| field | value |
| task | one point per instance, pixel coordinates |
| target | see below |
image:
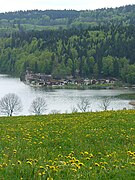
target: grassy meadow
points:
(74, 146)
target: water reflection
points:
(60, 100)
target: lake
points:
(61, 100)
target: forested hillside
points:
(55, 19)
(91, 44)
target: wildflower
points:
(71, 161)
(73, 169)
(41, 167)
(82, 153)
(35, 160)
(14, 151)
(59, 155)
(19, 162)
(91, 155)
(77, 161)
(86, 153)
(129, 152)
(96, 164)
(43, 173)
(132, 163)
(49, 178)
(102, 167)
(5, 155)
(4, 165)
(78, 167)
(29, 162)
(81, 164)
(52, 167)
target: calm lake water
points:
(60, 100)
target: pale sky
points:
(15, 5)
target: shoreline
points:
(83, 87)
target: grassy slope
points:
(68, 146)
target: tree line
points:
(55, 19)
(96, 52)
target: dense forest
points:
(55, 19)
(86, 44)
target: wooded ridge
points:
(93, 44)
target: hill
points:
(68, 146)
(82, 44)
(95, 52)
(55, 19)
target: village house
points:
(41, 79)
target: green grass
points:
(68, 146)
(130, 96)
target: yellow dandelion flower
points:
(49, 178)
(71, 161)
(96, 164)
(82, 153)
(129, 152)
(77, 166)
(102, 167)
(59, 155)
(81, 164)
(41, 167)
(73, 169)
(14, 151)
(29, 162)
(52, 167)
(19, 162)
(72, 152)
(35, 160)
(132, 163)
(86, 153)
(43, 173)
(40, 174)
(91, 155)
(4, 165)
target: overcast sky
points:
(14, 5)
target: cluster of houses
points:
(41, 79)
